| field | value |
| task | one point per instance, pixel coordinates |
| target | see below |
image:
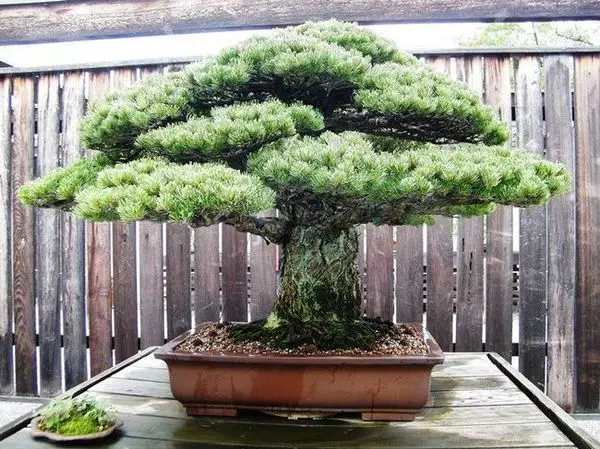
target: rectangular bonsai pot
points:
(378, 387)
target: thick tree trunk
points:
(319, 277)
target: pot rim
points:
(167, 353)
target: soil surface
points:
(405, 339)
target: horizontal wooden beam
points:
(178, 60)
(79, 19)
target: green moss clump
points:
(82, 415)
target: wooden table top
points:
(477, 401)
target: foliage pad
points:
(329, 123)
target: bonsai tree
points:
(327, 122)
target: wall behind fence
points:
(77, 297)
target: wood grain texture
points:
(235, 272)
(562, 272)
(533, 233)
(409, 274)
(152, 305)
(263, 275)
(124, 264)
(469, 290)
(361, 262)
(73, 241)
(152, 314)
(440, 282)
(103, 18)
(23, 241)
(380, 272)
(440, 276)
(499, 283)
(48, 247)
(179, 301)
(587, 312)
(470, 297)
(6, 353)
(207, 281)
(99, 300)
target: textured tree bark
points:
(319, 280)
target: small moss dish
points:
(75, 419)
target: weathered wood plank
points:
(207, 280)
(152, 308)
(469, 271)
(428, 417)
(380, 272)
(152, 314)
(562, 272)
(98, 259)
(6, 354)
(587, 318)
(23, 245)
(440, 282)
(440, 277)
(499, 282)
(263, 276)
(73, 241)
(565, 422)
(291, 434)
(409, 274)
(179, 302)
(48, 247)
(532, 256)
(79, 20)
(124, 265)
(235, 272)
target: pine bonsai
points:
(327, 122)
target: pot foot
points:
(200, 410)
(403, 415)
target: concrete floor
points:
(12, 408)
(589, 422)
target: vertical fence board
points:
(6, 353)
(124, 265)
(361, 262)
(440, 276)
(98, 268)
(380, 272)
(235, 271)
(263, 276)
(587, 318)
(23, 239)
(73, 242)
(48, 240)
(206, 274)
(152, 315)
(499, 255)
(179, 312)
(561, 235)
(440, 281)
(532, 249)
(469, 270)
(409, 274)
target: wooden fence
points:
(67, 286)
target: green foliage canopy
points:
(326, 121)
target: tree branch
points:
(272, 229)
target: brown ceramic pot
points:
(379, 387)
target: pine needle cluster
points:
(327, 121)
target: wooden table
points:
(477, 401)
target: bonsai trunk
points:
(319, 277)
